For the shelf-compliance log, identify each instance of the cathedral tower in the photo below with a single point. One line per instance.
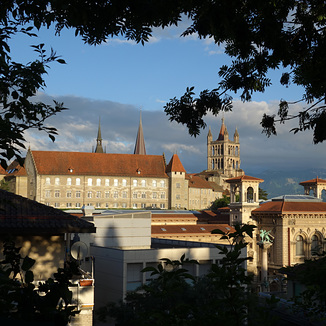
(223, 154)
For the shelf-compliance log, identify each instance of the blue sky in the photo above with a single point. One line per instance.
(114, 80)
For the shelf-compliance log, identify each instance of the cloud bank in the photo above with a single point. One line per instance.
(77, 128)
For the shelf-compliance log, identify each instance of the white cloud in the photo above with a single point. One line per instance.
(77, 129)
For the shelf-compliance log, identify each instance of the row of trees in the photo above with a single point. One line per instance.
(259, 36)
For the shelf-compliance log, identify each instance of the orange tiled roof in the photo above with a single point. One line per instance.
(175, 165)
(19, 215)
(198, 229)
(243, 178)
(280, 207)
(15, 169)
(60, 163)
(313, 181)
(198, 182)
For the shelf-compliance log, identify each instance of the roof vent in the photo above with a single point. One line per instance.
(88, 210)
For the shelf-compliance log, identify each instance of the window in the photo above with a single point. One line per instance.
(134, 276)
(77, 205)
(89, 194)
(162, 195)
(154, 183)
(98, 205)
(154, 205)
(47, 193)
(134, 205)
(77, 194)
(47, 204)
(68, 181)
(124, 182)
(115, 182)
(250, 195)
(107, 194)
(143, 195)
(143, 183)
(47, 181)
(154, 195)
(177, 196)
(115, 205)
(77, 181)
(69, 205)
(98, 182)
(177, 185)
(162, 183)
(57, 193)
(124, 205)
(68, 194)
(115, 194)
(299, 246)
(57, 181)
(124, 194)
(314, 245)
(162, 206)
(134, 195)
(107, 182)
(143, 205)
(107, 205)
(134, 183)
(56, 205)
(89, 181)
(98, 194)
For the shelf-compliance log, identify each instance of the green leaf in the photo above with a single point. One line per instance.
(28, 263)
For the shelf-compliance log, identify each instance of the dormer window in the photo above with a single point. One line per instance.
(138, 171)
(70, 170)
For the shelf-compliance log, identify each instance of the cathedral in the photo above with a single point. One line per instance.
(138, 181)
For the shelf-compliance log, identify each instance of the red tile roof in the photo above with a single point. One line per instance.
(15, 169)
(19, 215)
(198, 182)
(60, 163)
(313, 181)
(280, 207)
(198, 229)
(175, 165)
(243, 178)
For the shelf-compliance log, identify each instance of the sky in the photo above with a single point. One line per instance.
(116, 80)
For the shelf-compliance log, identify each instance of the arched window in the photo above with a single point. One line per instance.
(162, 183)
(134, 183)
(107, 182)
(77, 181)
(47, 181)
(57, 181)
(154, 184)
(98, 182)
(68, 181)
(143, 183)
(314, 245)
(124, 182)
(299, 246)
(89, 181)
(250, 195)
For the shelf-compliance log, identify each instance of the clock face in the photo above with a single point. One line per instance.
(79, 250)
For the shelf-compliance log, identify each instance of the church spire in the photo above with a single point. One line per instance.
(99, 148)
(140, 142)
(222, 131)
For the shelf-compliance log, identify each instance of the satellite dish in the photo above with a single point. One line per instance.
(79, 250)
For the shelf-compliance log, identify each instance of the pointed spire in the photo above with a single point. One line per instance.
(140, 141)
(209, 135)
(222, 131)
(99, 148)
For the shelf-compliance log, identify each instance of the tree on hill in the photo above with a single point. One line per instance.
(259, 36)
(263, 194)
